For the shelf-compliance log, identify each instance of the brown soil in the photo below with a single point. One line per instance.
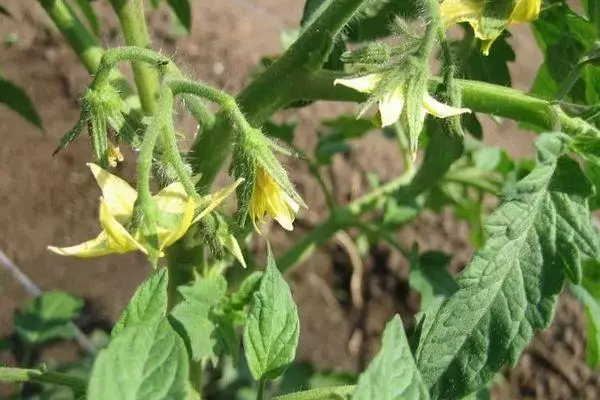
(49, 200)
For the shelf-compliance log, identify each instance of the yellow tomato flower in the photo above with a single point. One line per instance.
(176, 214)
(473, 12)
(269, 198)
(392, 101)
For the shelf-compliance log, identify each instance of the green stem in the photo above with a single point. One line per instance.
(270, 91)
(80, 39)
(174, 158)
(315, 394)
(228, 103)
(478, 96)
(432, 30)
(262, 384)
(133, 22)
(8, 374)
(344, 217)
(403, 146)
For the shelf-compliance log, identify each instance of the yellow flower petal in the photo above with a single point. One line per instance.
(390, 106)
(441, 110)
(364, 84)
(92, 248)
(269, 198)
(455, 11)
(172, 199)
(184, 224)
(526, 11)
(119, 239)
(119, 196)
(216, 198)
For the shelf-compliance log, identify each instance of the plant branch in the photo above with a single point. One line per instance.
(9, 374)
(270, 91)
(324, 393)
(343, 218)
(133, 22)
(478, 96)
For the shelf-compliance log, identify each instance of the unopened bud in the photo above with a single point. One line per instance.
(376, 53)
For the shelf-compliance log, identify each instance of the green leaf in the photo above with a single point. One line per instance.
(47, 317)
(197, 318)
(592, 310)
(183, 11)
(338, 132)
(272, 327)
(492, 68)
(564, 37)
(90, 15)
(243, 296)
(16, 99)
(430, 277)
(148, 303)
(509, 290)
(146, 361)
(392, 375)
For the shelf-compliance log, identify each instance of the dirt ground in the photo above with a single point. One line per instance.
(49, 200)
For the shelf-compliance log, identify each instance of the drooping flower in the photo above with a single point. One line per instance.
(268, 198)
(392, 100)
(175, 208)
(489, 19)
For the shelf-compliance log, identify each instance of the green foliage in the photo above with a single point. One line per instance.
(16, 99)
(88, 12)
(509, 290)
(183, 11)
(179, 336)
(148, 303)
(47, 318)
(272, 328)
(592, 309)
(430, 277)
(206, 329)
(392, 375)
(145, 361)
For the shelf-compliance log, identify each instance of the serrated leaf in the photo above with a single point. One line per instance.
(564, 37)
(147, 362)
(509, 290)
(197, 318)
(430, 277)
(272, 327)
(243, 295)
(592, 310)
(492, 68)
(183, 11)
(16, 99)
(392, 375)
(47, 317)
(88, 12)
(148, 302)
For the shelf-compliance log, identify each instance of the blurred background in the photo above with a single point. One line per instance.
(53, 200)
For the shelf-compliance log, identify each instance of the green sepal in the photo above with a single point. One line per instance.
(413, 114)
(373, 53)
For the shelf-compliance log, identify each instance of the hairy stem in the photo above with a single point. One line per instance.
(8, 374)
(79, 38)
(269, 92)
(133, 22)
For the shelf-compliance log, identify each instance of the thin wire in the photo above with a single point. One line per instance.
(33, 290)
